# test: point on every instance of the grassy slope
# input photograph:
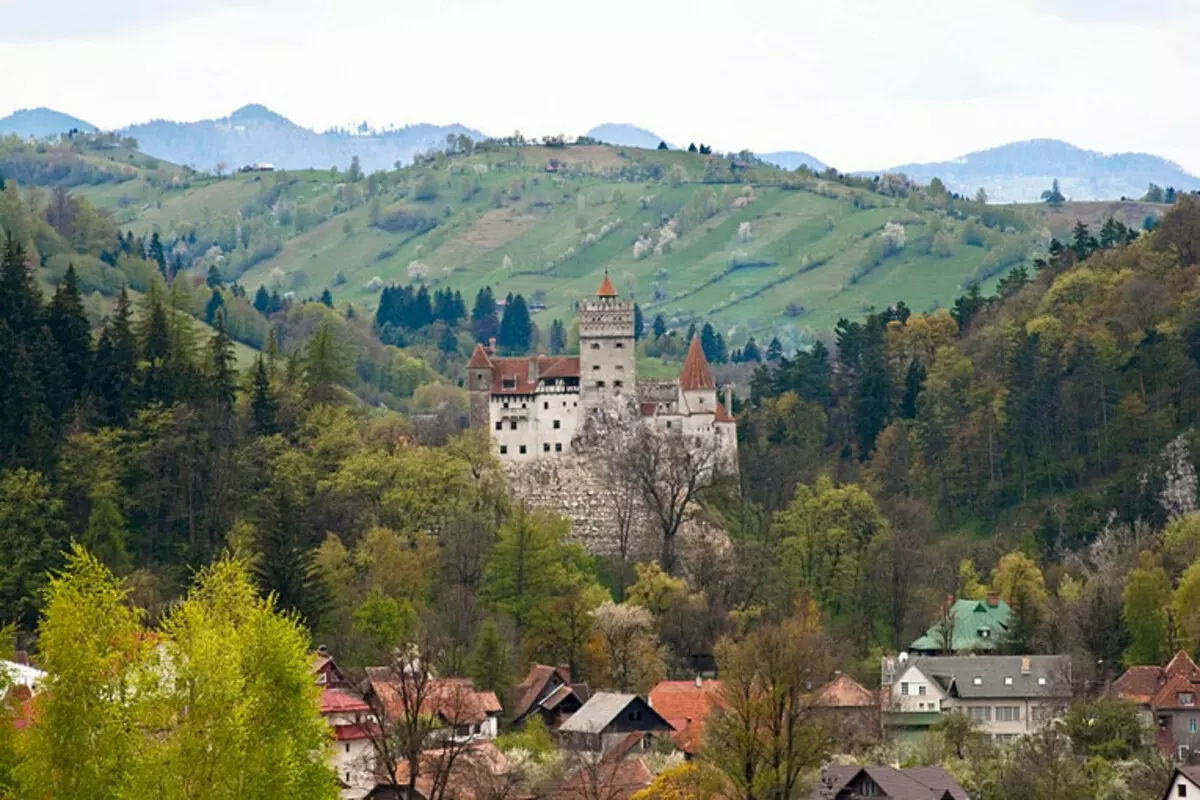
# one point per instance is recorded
(814, 240)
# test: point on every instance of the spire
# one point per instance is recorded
(606, 288)
(479, 359)
(696, 373)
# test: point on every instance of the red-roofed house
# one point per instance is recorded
(549, 693)
(467, 712)
(533, 406)
(1168, 696)
(853, 709)
(686, 705)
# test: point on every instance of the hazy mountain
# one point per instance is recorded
(1020, 171)
(791, 159)
(41, 123)
(255, 133)
(625, 135)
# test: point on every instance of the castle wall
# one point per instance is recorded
(607, 350)
(529, 427)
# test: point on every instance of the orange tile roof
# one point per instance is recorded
(696, 372)
(611, 780)
(470, 775)
(1168, 695)
(479, 359)
(687, 707)
(1182, 664)
(336, 701)
(606, 288)
(456, 700)
(844, 692)
(649, 409)
(1139, 684)
(516, 370)
(721, 415)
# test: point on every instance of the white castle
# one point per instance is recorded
(535, 406)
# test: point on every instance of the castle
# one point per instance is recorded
(535, 406)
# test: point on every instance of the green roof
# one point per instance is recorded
(978, 627)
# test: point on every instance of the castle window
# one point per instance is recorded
(599, 384)
(512, 425)
(618, 384)
(546, 447)
(506, 405)
(557, 423)
(503, 449)
(595, 367)
(523, 405)
(522, 449)
(668, 424)
(546, 405)
(510, 383)
(558, 447)
(595, 345)
(620, 345)
(499, 426)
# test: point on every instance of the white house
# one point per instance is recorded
(1184, 783)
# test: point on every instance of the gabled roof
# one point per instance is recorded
(920, 783)
(479, 358)
(1169, 695)
(455, 700)
(1143, 683)
(601, 709)
(1182, 664)
(611, 780)
(545, 687)
(696, 373)
(606, 288)
(686, 707)
(1002, 677)
(337, 701)
(512, 375)
(1192, 773)
(971, 617)
(721, 415)
(844, 692)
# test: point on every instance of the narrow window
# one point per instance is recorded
(512, 425)
(904, 690)
(595, 367)
(921, 689)
(558, 447)
(557, 424)
(499, 426)
(599, 384)
(522, 450)
(546, 405)
(595, 345)
(545, 447)
(618, 384)
(503, 449)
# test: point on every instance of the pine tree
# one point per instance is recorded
(516, 329)
(157, 255)
(20, 299)
(72, 333)
(708, 342)
(326, 298)
(489, 665)
(222, 374)
(262, 300)
(484, 323)
(774, 349)
(721, 355)
(114, 377)
(263, 406)
(106, 535)
(691, 333)
(872, 398)
(325, 367)
(214, 279)
(639, 324)
(750, 351)
(214, 306)
(558, 337)
(448, 341)
(914, 382)
(660, 326)
(155, 345)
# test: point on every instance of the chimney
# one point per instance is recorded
(994, 600)
(729, 397)
(491, 346)
(533, 369)
(1025, 667)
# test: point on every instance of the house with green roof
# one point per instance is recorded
(971, 626)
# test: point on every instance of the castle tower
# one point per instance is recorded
(479, 387)
(696, 385)
(607, 350)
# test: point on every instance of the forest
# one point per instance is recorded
(1036, 443)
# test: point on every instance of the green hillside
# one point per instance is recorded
(751, 248)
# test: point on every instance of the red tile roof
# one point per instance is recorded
(455, 700)
(1139, 684)
(844, 692)
(687, 707)
(353, 733)
(1182, 664)
(696, 372)
(516, 371)
(1169, 695)
(477, 770)
(336, 701)
(479, 359)
(606, 288)
(611, 780)
(721, 415)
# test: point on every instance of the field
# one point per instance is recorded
(760, 252)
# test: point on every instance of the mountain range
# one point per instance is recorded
(1016, 172)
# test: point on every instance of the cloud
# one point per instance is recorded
(1137, 11)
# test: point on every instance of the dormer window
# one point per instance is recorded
(1187, 699)
(509, 383)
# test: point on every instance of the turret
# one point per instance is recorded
(479, 387)
(607, 350)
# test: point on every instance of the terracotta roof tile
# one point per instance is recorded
(479, 359)
(696, 372)
(511, 375)
(1169, 695)
(352, 733)
(606, 288)
(336, 701)
(687, 707)
(649, 409)
(845, 692)
(611, 780)
(721, 415)
(1139, 684)
(453, 699)
(1182, 664)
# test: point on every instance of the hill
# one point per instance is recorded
(625, 135)
(1020, 171)
(40, 123)
(751, 248)
(791, 159)
(254, 133)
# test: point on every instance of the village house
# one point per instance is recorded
(968, 626)
(353, 756)
(1167, 698)
(849, 782)
(534, 406)
(1006, 695)
(611, 721)
(466, 713)
(1185, 783)
(852, 711)
(686, 705)
(548, 693)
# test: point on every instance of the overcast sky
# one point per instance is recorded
(858, 83)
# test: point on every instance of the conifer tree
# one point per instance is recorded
(750, 351)
(708, 342)
(558, 337)
(774, 349)
(214, 279)
(325, 367)
(154, 339)
(489, 664)
(114, 376)
(215, 303)
(516, 329)
(157, 254)
(484, 323)
(660, 326)
(326, 298)
(221, 371)
(639, 323)
(262, 300)
(263, 405)
(69, 326)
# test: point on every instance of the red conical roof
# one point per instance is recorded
(696, 372)
(479, 359)
(606, 288)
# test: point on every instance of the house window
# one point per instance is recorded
(1187, 699)
(499, 426)
(558, 447)
(595, 367)
(1041, 681)
(921, 689)
(347, 747)
(1008, 713)
(978, 681)
(1181, 790)
(512, 425)
(1005, 738)
(522, 450)
(503, 449)
(635, 715)
(668, 424)
(904, 689)
(981, 713)
(620, 367)
(599, 384)
(545, 447)
(1191, 726)
(510, 383)
(984, 633)
(506, 405)
(557, 424)
(868, 788)
(1008, 680)
(619, 345)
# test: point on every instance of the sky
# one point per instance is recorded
(861, 84)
